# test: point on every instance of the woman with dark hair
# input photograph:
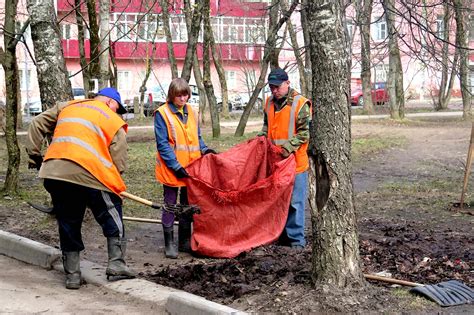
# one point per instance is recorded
(178, 143)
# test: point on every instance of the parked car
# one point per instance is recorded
(33, 106)
(379, 94)
(239, 102)
(78, 93)
(155, 96)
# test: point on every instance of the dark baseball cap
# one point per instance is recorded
(277, 76)
(115, 95)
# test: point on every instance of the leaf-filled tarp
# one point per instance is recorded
(244, 196)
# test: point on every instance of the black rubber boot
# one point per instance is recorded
(116, 267)
(170, 247)
(184, 236)
(71, 264)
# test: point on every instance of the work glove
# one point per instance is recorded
(181, 173)
(35, 161)
(209, 151)
(285, 153)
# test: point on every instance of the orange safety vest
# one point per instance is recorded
(282, 127)
(83, 134)
(184, 140)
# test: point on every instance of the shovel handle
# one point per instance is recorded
(391, 280)
(140, 199)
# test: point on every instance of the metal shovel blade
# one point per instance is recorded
(448, 293)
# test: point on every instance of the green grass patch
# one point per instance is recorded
(371, 145)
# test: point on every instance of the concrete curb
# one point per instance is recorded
(173, 301)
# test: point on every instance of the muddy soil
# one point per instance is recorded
(403, 198)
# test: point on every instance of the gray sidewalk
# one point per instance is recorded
(170, 300)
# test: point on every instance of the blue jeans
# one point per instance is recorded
(294, 227)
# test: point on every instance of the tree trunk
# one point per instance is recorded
(193, 35)
(169, 40)
(335, 260)
(10, 68)
(273, 17)
(462, 17)
(365, 75)
(269, 47)
(104, 7)
(445, 87)
(94, 42)
(297, 50)
(216, 129)
(53, 79)
(82, 52)
(395, 72)
(307, 41)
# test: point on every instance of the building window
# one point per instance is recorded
(230, 77)
(471, 27)
(124, 80)
(65, 31)
(379, 29)
(350, 28)
(380, 72)
(25, 79)
(440, 26)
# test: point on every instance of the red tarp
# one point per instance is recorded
(244, 195)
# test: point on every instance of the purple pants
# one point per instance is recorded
(170, 196)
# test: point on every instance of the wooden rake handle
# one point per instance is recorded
(140, 200)
(391, 280)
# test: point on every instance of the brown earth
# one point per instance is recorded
(403, 197)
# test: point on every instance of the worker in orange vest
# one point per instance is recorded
(82, 168)
(178, 143)
(286, 123)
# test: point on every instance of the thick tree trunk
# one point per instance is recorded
(104, 12)
(445, 87)
(193, 35)
(269, 47)
(10, 68)
(216, 129)
(53, 78)
(273, 18)
(169, 40)
(335, 260)
(365, 75)
(462, 44)
(395, 74)
(82, 52)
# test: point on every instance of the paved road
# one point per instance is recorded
(28, 289)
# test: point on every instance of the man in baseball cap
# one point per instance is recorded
(115, 95)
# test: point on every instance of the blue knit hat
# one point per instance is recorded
(115, 95)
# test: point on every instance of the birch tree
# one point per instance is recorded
(53, 77)
(365, 74)
(335, 258)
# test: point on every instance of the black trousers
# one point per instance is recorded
(69, 204)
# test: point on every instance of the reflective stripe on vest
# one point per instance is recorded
(183, 139)
(83, 134)
(280, 136)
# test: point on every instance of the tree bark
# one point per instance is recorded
(395, 73)
(169, 40)
(273, 18)
(193, 35)
(216, 129)
(82, 52)
(94, 42)
(335, 260)
(104, 13)
(461, 15)
(365, 75)
(53, 78)
(10, 68)
(269, 46)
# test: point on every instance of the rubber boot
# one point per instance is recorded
(116, 266)
(184, 236)
(170, 248)
(71, 264)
